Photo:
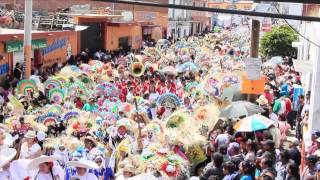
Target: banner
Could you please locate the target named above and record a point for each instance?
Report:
(253, 86)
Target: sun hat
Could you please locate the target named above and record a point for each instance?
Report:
(262, 100)
(6, 155)
(129, 168)
(83, 163)
(90, 138)
(34, 163)
(30, 134)
(293, 140)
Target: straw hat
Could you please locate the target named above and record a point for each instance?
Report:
(129, 168)
(90, 138)
(30, 134)
(83, 163)
(34, 164)
(262, 100)
(6, 155)
(293, 140)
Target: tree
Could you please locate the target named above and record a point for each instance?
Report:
(278, 42)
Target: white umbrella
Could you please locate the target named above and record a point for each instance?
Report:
(240, 108)
(276, 60)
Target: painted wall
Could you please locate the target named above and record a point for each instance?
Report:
(113, 33)
(58, 49)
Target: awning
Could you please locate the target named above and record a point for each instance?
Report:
(80, 28)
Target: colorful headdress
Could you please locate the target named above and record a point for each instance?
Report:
(26, 86)
(57, 95)
(169, 100)
(52, 83)
(69, 115)
(49, 118)
(107, 89)
(191, 86)
(57, 109)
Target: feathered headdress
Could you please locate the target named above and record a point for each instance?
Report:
(26, 86)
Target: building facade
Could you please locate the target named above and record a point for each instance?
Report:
(308, 63)
(124, 28)
(179, 24)
(183, 23)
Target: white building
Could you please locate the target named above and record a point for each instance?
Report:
(179, 24)
(308, 63)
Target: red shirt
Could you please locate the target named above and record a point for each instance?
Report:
(269, 96)
(79, 104)
(288, 105)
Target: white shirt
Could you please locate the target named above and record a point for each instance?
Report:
(5, 175)
(57, 172)
(87, 176)
(27, 153)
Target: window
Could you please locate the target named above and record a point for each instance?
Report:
(185, 33)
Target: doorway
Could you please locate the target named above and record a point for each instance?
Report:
(92, 37)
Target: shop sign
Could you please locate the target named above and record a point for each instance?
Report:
(17, 46)
(58, 44)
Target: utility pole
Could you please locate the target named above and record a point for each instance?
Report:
(27, 37)
(255, 34)
(254, 53)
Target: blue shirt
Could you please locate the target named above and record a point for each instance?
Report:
(246, 177)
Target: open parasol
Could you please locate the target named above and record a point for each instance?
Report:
(253, 123)
(240, 108)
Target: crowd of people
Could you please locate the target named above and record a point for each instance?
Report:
(166, 112)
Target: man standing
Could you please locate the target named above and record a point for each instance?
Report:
(18, 71)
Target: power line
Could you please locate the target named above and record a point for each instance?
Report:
(307, 39)
(217, 10)
(293, 1)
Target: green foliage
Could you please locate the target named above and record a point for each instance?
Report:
(278, 42)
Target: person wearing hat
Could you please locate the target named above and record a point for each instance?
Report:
(262, 101)
(82, 170)
(89, 143)
(317, 152)
(90, 106)
(128, 171)
(2, 138)
(310, 171)
(294, 152)
(268, 94)
(30, 148)
(314, 144)
(6, 155)
(45, 168)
